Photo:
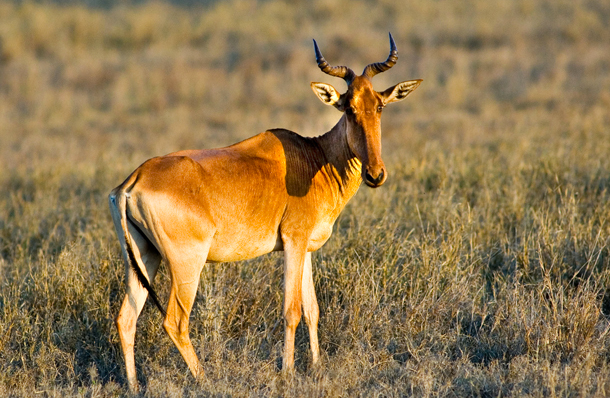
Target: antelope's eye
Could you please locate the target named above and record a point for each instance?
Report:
(349, 111)
(379, 108)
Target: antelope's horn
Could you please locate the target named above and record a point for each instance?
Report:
(378, 67)
(339, 71)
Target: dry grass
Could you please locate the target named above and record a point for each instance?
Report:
(479, 269)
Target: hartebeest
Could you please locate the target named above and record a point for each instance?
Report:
(275, 191)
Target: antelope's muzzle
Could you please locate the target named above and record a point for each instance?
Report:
(374, 182)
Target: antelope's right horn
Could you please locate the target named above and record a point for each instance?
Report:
(339, 71)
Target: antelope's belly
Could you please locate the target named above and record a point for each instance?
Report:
(236, 245)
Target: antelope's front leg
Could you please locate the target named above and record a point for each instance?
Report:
(311, 311)
(294, 258)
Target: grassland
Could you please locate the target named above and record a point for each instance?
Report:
(481, 268)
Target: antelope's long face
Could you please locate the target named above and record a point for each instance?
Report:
(362, 107)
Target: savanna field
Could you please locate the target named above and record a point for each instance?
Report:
(480, 268)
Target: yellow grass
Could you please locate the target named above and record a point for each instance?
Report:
(479, 269)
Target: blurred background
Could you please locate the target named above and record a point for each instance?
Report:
(100, 80)
(481, 268)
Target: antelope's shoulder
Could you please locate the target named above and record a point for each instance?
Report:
(270, 144)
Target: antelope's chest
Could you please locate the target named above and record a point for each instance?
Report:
(323, 228)
(320, 235)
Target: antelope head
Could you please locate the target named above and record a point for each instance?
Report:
(362, 107)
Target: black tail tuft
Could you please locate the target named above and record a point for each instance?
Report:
(142, 279)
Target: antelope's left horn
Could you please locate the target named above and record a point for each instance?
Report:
(339, 71)
(378, 67)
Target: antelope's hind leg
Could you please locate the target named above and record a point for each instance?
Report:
(148, 259)
(185, 273)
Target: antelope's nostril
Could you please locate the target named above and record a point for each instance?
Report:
(372, 181)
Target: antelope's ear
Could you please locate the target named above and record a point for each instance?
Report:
(399, 91)
(326, 93)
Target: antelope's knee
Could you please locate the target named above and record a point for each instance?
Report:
(173, 328)
(124, 323)
(311, 312)
(292, 314)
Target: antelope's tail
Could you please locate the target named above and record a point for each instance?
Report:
(118, 200)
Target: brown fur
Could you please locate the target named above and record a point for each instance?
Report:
(274, 191)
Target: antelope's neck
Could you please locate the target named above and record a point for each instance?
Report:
(342, 168)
